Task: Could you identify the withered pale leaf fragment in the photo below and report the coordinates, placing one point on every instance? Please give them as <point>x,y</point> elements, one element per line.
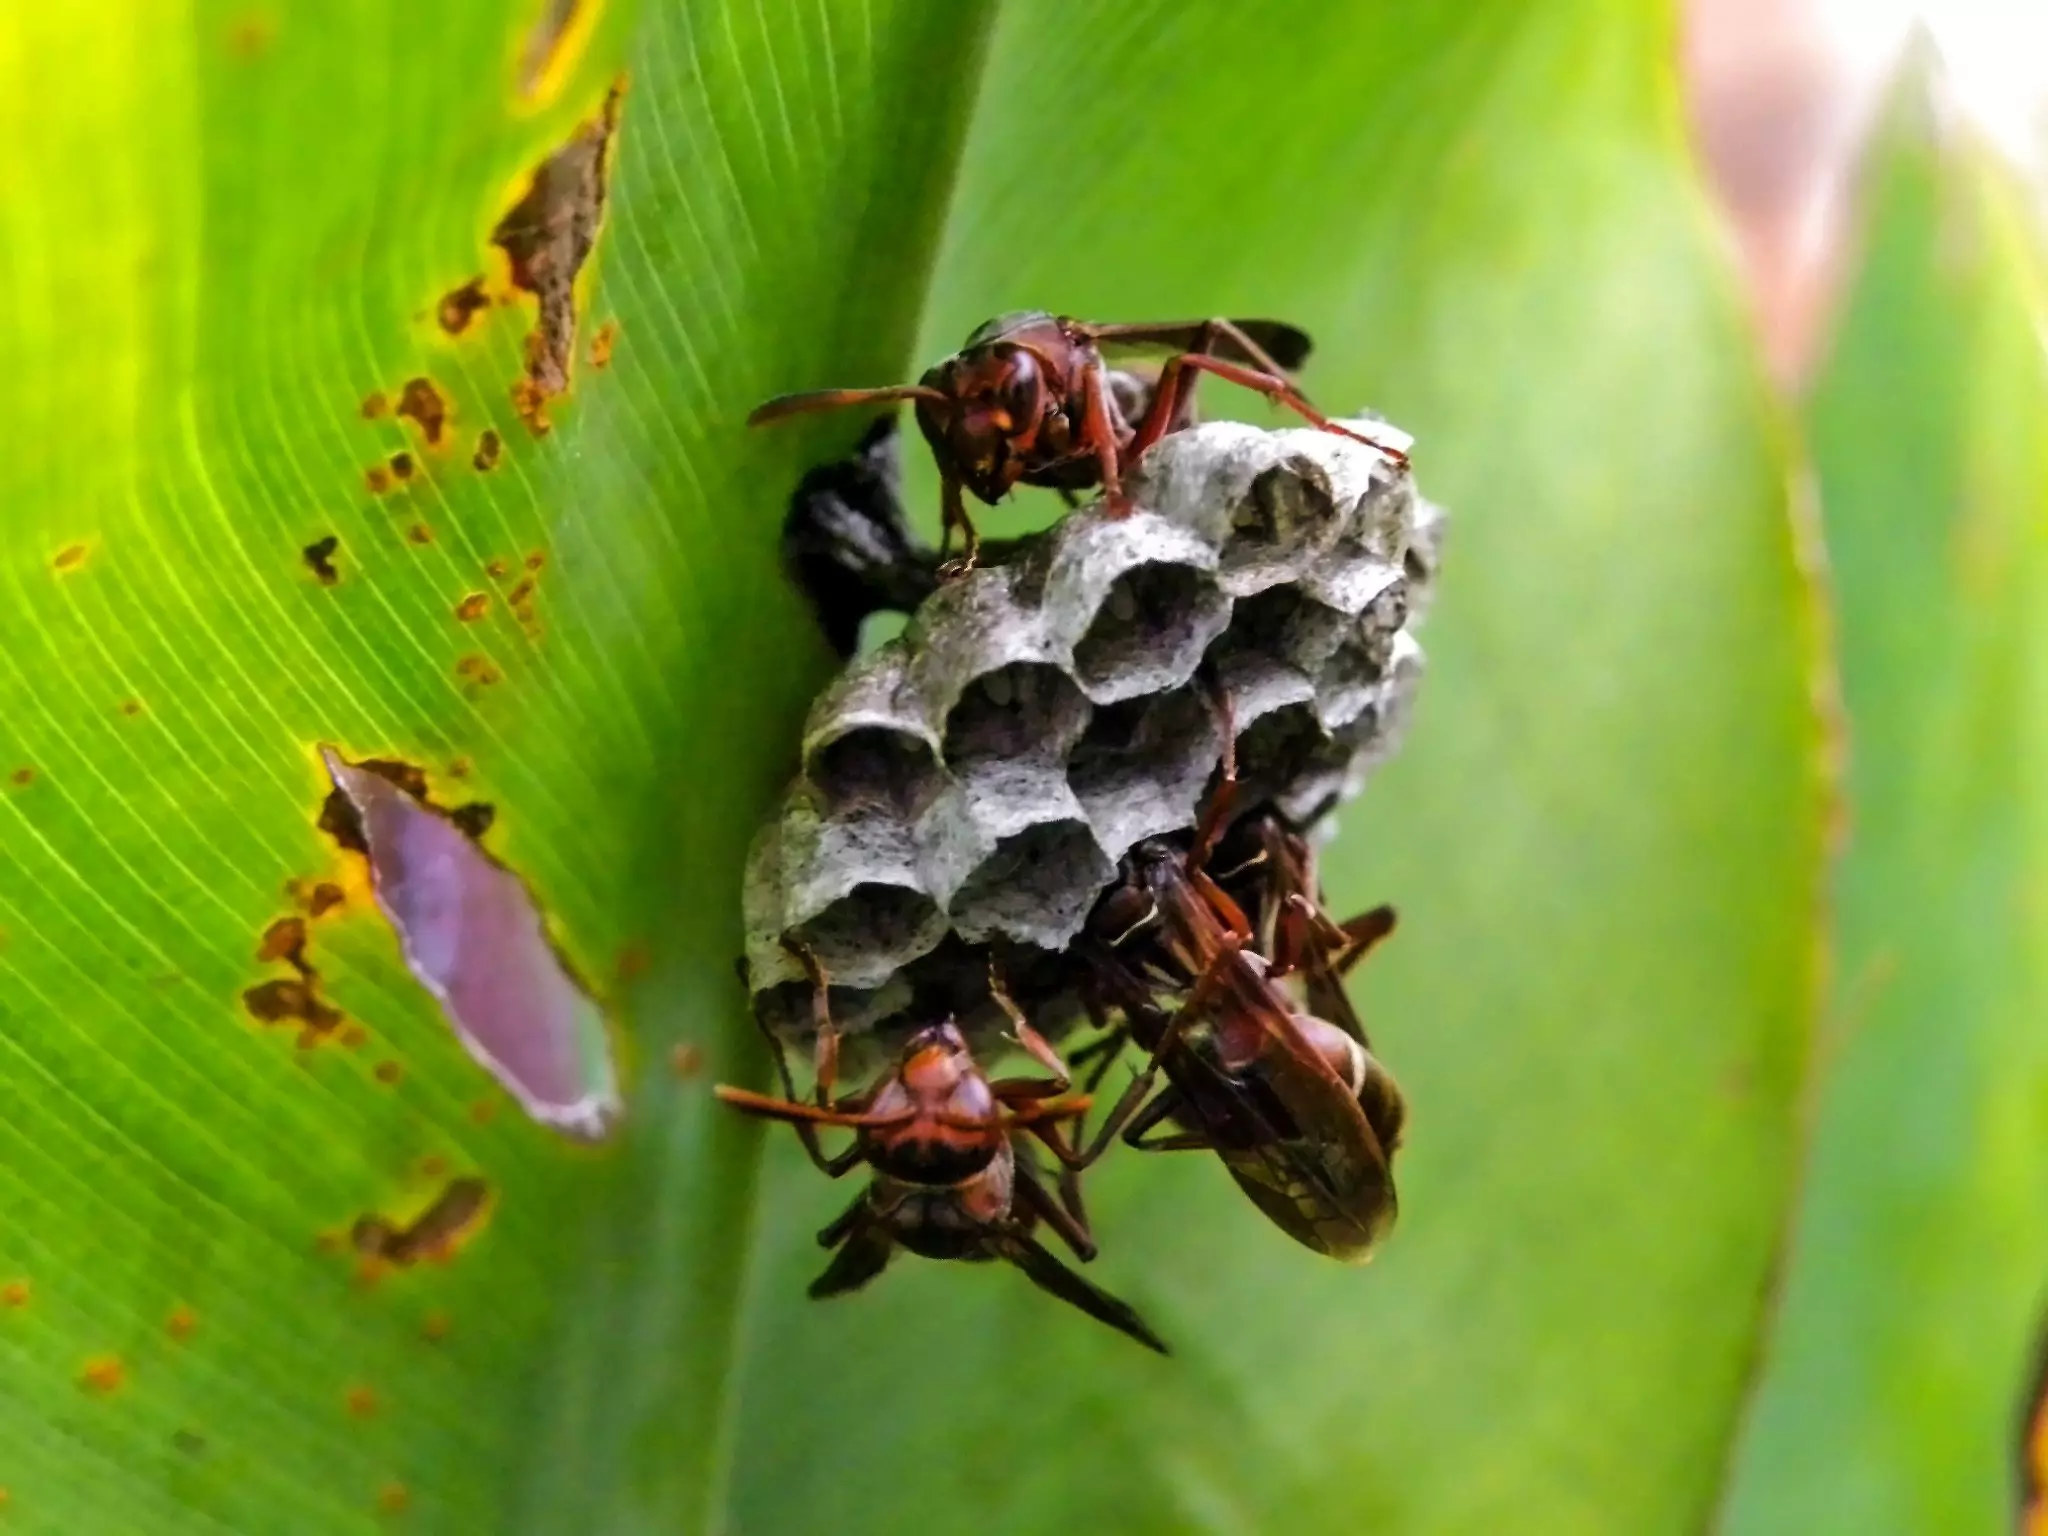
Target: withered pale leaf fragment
<point>471,933</point>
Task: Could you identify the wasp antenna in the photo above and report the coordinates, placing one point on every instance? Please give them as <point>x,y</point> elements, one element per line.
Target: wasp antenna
<point>837,399</point>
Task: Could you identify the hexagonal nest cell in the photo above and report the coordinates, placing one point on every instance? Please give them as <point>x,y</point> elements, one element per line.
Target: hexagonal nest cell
<point>1154,623</point>
<point>985,770</point>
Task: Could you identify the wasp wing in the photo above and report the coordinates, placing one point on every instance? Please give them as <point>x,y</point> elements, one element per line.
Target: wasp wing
<point>1049,1274</point>
<point>1274,343</point>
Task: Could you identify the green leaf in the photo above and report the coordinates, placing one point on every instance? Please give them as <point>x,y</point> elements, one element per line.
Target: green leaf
<point>240,222</point>
<point>237,224</point>
<point>1905,1341</point>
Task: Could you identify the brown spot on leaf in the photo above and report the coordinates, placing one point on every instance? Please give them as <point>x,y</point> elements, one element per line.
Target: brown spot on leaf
<point>402,465</point>
<point>632,960</point>
<point>601,344</point>
<point>21,778</point>
<point>483,1111</point>
<point>495,568</point>
<point>353,1037</point>
<point>522,591</point>
<point>285,939</point>
<point>360,1401</point>
<point>69,558</point>
<point>473,607</point>
<point>14,1295</point>
<point>378,479</point>
<point>393,1498</point>
<point>434,1327</point>
<point>454,1217</point>
<point>325,897</point>
<point>478,669</point>
<point>535,559</point>
<point>424,405</point>
<point>103,1374</point>
<point>686,1060</point>
<point>459,767</point>
<point>389,1073</point>
<point>461,305</point>
<point>488,446</point>
<point>420,533</point>
<point>433,1166</point>
<point>290,998</point>
<point>319,557</point>
<point>376,404</point>
<point>474,818</point>
<point>547,237</point>
<point>131,707</point>
<point>181,1324</point>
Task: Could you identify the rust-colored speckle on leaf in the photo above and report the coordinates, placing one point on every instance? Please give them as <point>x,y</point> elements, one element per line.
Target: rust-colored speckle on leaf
<point>293,999</point>
<point>530,402</point>
<point>131,708</point>
<point>378,479</point>
<point>360,1402</point>
<point>353,1037</point>
<point>433,1166</point>
<point>632,960</point>
<point>434,1327</point>
<point>459,767</point>
<point>181,1324</point>
<point>15,1294</point>
<point>535,559</point>
<point>394,1498</point>
<point>522,592</point>
<point>478,670</point>
<point>461,305</point>
<point>69,558</point>
<point>601,344</point>
<point>483,1111</point>
<point>103,1374</point>
<point>473,607</point>
<point>419,533</point>
<point>22,777</point>
<point>376,404</point>
<point>686,1060</point>
<point>495,568</point>
<point>426,407</point>
<point>488,446</point>
<point>548,236</point>
<point>389,1073</point>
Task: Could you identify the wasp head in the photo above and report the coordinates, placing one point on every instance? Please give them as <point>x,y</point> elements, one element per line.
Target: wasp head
<point>986,427</point>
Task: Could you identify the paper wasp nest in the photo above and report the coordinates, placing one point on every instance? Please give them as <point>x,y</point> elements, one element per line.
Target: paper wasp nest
<point>976,779</point>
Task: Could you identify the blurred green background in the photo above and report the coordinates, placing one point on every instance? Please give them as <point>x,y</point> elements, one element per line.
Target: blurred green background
<point>1716,995</point>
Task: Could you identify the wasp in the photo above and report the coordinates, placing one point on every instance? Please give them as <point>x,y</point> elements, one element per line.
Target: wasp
<point>954,1176</point>
<point>1292,1100</point>
<point>1028,400</point>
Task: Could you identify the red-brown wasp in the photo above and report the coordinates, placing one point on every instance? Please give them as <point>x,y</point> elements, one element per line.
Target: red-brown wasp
<point>1304,1117</point>
<point>1028,400</point>
<point>954,1177</point>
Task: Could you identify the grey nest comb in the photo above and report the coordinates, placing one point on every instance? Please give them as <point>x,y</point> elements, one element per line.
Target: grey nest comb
<point>976,780</point>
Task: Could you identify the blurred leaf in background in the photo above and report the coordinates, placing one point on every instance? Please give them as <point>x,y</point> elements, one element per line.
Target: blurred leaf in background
<point>247,230</point>
<point>1897,1369</point>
